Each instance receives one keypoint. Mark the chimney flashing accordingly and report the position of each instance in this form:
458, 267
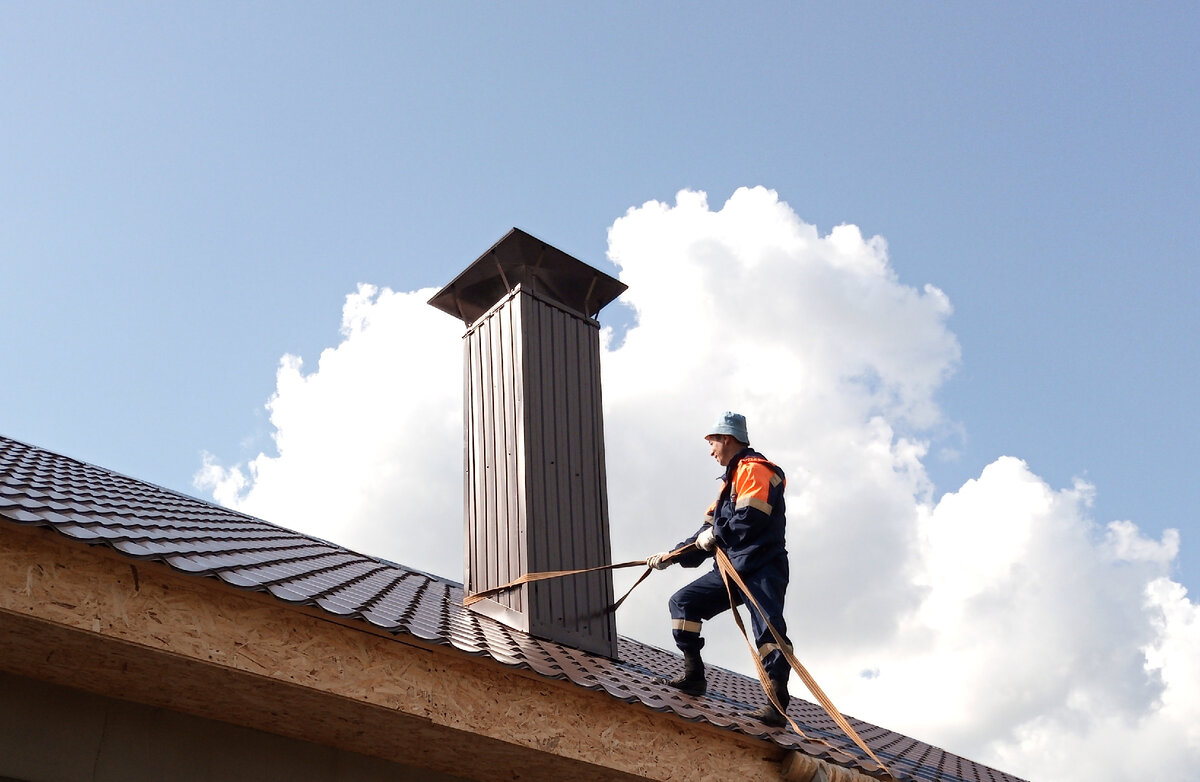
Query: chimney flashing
521, 259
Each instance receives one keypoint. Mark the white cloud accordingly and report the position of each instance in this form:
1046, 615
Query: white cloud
1087, 737
1030, 637
366, 444
999, 621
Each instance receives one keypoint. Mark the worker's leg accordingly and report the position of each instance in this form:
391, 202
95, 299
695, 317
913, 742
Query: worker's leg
691, 606
768, 587
702, 599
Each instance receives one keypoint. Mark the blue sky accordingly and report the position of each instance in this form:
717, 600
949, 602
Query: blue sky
190, 191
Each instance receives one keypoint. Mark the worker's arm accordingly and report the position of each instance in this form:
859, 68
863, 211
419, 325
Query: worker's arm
694, 556
694, 553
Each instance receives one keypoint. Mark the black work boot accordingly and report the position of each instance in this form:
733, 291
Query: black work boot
692, 682
768, 714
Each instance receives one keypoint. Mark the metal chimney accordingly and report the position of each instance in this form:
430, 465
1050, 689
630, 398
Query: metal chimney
535, 497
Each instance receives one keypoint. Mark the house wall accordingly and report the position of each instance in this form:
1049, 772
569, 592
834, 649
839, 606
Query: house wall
51, 732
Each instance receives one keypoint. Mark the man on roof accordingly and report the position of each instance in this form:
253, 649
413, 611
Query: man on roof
746, 522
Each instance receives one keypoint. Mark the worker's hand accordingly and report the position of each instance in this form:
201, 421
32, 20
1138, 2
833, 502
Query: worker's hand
659, 561
707, 539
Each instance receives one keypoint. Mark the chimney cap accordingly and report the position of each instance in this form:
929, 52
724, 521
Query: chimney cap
521, 259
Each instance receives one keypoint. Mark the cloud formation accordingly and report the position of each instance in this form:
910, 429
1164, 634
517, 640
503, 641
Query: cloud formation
999, 621
368, 446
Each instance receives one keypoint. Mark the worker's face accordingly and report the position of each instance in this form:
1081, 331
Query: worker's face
723, 448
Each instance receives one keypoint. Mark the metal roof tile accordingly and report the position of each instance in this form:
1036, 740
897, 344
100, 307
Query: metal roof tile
132, 549
357, 596
80, 532
241, 559
380, 620
279, 569
318, 584
284, 592
236, 579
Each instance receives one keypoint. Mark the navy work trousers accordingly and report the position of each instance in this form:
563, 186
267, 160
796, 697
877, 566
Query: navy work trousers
706, 597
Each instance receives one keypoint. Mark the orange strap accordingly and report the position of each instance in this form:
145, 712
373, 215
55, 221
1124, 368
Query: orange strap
729, 574
548, 574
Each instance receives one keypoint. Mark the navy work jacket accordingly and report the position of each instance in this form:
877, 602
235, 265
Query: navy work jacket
748, 516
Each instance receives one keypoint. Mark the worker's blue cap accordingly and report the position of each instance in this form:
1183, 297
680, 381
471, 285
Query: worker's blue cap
731, 423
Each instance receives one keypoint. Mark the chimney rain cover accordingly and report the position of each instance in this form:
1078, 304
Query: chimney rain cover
521, 259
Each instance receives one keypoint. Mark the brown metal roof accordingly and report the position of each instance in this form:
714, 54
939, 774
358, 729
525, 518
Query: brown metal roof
140, 520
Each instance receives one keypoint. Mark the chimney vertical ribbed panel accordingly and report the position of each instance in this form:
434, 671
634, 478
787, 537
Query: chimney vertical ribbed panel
535, 490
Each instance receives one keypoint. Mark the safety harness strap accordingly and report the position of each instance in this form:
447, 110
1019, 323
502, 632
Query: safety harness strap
548, 574
729, 574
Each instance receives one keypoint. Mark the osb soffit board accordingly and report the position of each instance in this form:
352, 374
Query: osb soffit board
146, 522
78, 616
